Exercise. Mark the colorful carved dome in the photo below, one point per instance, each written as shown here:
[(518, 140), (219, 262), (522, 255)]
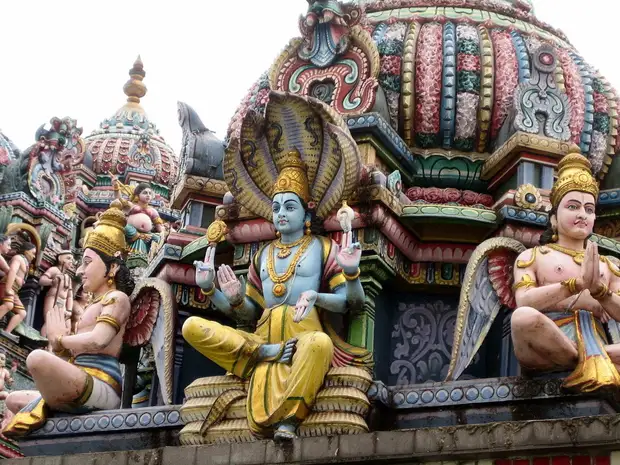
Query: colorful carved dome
[(129, 140), (447, 72)]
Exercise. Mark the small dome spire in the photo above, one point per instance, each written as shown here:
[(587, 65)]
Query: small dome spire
[(134, 88)]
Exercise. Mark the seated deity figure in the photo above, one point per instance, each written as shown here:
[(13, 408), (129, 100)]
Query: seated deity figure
[(11, 284), (565, 290), (289, 280), (60, 286), (83, 373)]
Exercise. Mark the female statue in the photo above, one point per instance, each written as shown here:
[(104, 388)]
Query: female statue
[(291, 278), (142, 219), (83, 373)]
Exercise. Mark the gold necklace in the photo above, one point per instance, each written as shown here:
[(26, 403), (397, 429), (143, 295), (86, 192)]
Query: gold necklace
[(285, 249), (279, 288), (98, 299), (577, 256)]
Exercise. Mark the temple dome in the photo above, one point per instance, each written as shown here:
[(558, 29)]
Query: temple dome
[(128, 140), (448, 71)]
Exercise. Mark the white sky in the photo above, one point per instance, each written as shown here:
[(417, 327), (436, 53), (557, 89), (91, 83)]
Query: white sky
[(71, 57)]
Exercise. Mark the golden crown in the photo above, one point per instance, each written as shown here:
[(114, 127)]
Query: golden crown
[(293, 177), (108, 236), (574, 174)]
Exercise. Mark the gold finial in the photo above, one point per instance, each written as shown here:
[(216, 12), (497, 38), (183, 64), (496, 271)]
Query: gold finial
[(134, 88), (108, 236), (574, 174), (293, 177), (216, 232)]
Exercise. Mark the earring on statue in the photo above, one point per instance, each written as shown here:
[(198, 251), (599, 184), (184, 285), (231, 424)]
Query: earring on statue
[(110, 280), (554, 237), (278, 234), (308, 231)]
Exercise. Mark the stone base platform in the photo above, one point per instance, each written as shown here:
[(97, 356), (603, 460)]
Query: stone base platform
[(107, 430), (472, 404)]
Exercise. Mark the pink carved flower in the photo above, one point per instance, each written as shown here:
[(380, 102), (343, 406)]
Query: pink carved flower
[(452, 195), (415, 193), (470, 197), (433, 195), (486, 200)]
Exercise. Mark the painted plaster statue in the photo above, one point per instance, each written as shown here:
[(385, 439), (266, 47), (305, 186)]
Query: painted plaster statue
[(12, 283), (5, 248), (143, 221), (60, 285), (6, 376), (325, 29), (293, 281), (83, 372), (564, 292)]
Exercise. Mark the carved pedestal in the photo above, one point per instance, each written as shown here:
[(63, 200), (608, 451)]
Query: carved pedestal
[(340, 408)]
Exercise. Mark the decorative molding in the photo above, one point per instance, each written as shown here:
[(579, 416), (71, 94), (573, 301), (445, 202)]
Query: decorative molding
[(518, 143), (110, 421)]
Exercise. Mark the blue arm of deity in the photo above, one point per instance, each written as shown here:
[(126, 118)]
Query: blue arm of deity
[(350, 296)]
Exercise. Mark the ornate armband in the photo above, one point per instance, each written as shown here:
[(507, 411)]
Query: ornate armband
[(526, 282), (352, 277), (109, 320), (527, 263), (208, 293), (604, 292), (571, 284)]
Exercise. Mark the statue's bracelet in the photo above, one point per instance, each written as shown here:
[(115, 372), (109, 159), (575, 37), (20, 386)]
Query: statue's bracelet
[(352, 277), (59, 343), (210, 292), (571, 284), (238, 305), (604, 292)]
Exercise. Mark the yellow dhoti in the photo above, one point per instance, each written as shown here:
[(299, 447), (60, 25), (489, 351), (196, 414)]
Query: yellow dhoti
[(277, 392)]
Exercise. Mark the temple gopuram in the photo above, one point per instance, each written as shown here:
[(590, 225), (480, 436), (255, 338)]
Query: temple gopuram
[(405, 250)]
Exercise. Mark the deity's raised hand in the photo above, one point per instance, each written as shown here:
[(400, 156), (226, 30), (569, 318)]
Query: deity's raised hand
[(349, 254), (230, 285), (205, 271)]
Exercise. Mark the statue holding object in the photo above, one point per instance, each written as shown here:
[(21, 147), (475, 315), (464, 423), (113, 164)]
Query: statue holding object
[(144, 224), (564, 292), (83, 374), (293, 281), (11, 284), (60, 287)]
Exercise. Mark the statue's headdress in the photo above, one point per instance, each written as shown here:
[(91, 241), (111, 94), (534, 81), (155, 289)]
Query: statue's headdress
[(293, 177), (108, 237), (299, 145), (574, 174)]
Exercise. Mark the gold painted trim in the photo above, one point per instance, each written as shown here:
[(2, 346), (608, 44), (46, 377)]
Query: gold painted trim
[(519, 142), (487, 77), (527, 263), (407, 90), (526, 282), (449, 154)]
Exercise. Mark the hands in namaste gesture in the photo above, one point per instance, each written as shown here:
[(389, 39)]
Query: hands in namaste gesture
[(590, 278)]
